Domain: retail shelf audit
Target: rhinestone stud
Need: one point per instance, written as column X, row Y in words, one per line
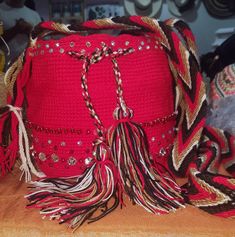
column 51, row 50
column 112, row 43
column 127, row 43
column 88, row 44
column 72, row 161
column 88, row 160
column 63, row 143
column 47, row 46
column 42, row 156
column 162, row 152
column 57, row 44
column 61, row 50
column 79, row 143
column 71, row 44
column 54, row 157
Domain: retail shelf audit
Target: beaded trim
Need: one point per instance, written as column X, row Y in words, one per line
column 79, row 131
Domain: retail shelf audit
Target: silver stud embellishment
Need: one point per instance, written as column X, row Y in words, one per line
column 49, row 141
column 72, row 161
column 51, row 50
column 47, row 46
column 142, row 42
column 79, row 143
column 71, row 44
column 42, row 156
column 88, row 160
column 63, row 143
column 57, row 44
column 88, row 44
column 147, row 47
column 162, row 152
column 127, row 43
column 61, row 50
column 55, row 158
column 112, row 43
column 140, row 48
column 153, row 139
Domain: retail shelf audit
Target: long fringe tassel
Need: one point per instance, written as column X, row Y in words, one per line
column 76, row 200
column 144, row 185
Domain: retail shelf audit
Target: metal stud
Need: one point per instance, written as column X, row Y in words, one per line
column 88, row 44
column 63, row 143
column 153, row 139
column 42, row 156
column 79, row 143
column 127, row 43
column 71, row 44
column 83, row 51
column 147, row 47
column 113, row 43
column 51, row 50
column 57, row 44
column 140, row 48
column 162, row 152
column 72, row 161
column 49, row 141
column 142, row 42
column 61, row 50
column 88, row 160
column 55, row 158
column 47, row 46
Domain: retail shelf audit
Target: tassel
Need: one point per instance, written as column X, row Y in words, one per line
column 140, row 180
column 82, row 199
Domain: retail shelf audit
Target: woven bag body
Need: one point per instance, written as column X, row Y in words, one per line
column 61, row 126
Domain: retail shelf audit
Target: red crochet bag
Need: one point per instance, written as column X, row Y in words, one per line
column 96, row 116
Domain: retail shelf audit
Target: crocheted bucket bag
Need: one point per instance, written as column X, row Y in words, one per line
column 97, row 116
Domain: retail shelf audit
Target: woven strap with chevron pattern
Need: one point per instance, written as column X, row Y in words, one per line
column 198, row 150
